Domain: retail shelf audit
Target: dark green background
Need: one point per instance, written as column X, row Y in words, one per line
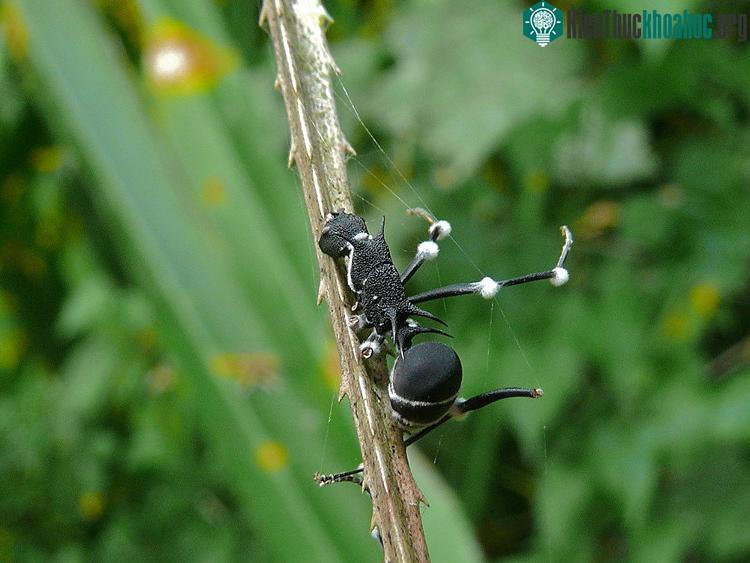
column 167, row 383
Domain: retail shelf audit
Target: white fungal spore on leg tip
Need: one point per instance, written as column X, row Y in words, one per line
column 443, row 229
column 561, row 277
column 488, row 288
column 428, row 249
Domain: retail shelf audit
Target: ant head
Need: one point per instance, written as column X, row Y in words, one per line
column 339, row 233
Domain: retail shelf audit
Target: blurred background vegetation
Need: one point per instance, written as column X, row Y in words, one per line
column 167, row 383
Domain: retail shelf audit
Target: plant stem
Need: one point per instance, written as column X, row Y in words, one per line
column 319, row 150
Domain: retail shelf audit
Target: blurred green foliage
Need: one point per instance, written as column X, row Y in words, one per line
column 167, row 384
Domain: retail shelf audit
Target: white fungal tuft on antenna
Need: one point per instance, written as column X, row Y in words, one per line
column 488, row 288
column 443, row 229
column 428, row 250
column 561, row 277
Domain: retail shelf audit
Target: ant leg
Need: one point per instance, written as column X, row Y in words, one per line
column 352, row 476
column 372, row 345
column 357, row 322
column 428, row 249
column 463, row 406
column 460, row 408
column 488, row 288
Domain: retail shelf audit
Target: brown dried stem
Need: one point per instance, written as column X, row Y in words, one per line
column 319, row 150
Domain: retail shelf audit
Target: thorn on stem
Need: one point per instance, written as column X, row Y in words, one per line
column 292, row 155
column 347, row 148
column 321, row 292
column 263, row 18
column 325, row 18
column 334, row 67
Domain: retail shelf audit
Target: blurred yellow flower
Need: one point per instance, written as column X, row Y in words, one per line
column 536, row 181
column 12, row 347
column 14, row 28
column 330, row 369
column 179, row 61
column 249, row 369
column 47, row 159
column 271, row 456
column 704, row 299
column 213, row 192
column 598, row 218
column 91, row 505
column 161, row 379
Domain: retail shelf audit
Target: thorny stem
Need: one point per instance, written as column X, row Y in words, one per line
column 319, row 150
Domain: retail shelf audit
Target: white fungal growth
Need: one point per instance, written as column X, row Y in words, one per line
column 561, row 277
column 361, row 236
column 488, row 288
column 428, row 250
column 349, row 259
column 443, row 229
column 369, row 348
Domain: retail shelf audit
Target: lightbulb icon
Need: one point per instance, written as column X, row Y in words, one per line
column 543, row 22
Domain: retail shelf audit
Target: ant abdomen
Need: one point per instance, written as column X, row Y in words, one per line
column 424, row 384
